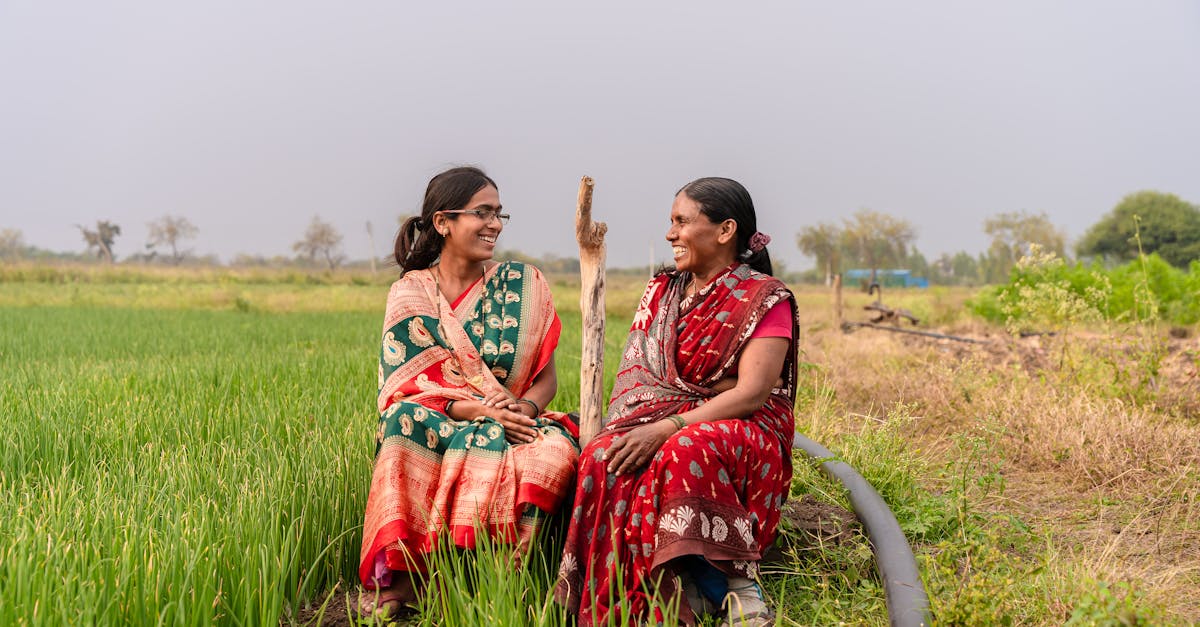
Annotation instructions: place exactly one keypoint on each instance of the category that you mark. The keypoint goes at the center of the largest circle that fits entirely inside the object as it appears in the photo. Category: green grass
(199, 453)
(186, 466)
(178, 467)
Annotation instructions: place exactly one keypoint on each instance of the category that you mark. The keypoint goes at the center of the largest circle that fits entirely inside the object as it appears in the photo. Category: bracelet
(537, 411)
(449, 404)
(678, 420)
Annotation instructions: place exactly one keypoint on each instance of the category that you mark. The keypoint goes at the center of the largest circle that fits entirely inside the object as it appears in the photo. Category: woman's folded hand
(501, 398)
(633, 450)
(518, 428)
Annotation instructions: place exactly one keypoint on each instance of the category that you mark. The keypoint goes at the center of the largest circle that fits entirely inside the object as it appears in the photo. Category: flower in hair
(759, 241)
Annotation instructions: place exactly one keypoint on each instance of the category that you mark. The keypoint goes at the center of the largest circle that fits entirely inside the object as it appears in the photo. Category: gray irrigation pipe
(907, 603)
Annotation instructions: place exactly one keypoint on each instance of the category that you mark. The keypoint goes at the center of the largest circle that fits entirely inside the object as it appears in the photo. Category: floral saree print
(714, 489)
(436, 477)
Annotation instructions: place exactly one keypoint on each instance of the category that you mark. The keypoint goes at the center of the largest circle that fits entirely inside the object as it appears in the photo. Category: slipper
(763, 618)
(745, 604)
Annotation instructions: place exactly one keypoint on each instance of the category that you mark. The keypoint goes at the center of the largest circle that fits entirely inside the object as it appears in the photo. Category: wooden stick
(591, 303)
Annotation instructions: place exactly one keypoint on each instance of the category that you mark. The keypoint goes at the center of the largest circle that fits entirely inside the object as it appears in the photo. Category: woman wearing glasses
(466, 370)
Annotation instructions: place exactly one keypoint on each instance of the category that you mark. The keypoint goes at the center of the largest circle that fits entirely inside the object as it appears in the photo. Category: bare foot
(388, 602)
(519, 552)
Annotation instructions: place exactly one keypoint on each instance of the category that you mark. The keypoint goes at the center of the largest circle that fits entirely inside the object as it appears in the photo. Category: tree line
(1142, 222)
(167, 243)
(1148, 222)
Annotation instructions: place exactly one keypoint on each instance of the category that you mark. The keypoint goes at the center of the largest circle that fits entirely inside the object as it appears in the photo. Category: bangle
(678, 420)
(449, 404)
(537, 411)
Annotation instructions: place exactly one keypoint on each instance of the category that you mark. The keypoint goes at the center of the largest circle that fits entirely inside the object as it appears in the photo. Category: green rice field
(186, 466)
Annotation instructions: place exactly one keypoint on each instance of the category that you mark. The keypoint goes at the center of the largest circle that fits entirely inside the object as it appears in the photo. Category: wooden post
(591, 303)
(837, 301)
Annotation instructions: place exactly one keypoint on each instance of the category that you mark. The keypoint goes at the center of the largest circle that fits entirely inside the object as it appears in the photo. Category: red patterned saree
(714, 489)
(435, 476)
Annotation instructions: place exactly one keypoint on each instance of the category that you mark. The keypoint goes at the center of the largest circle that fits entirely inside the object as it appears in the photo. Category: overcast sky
(250, 118)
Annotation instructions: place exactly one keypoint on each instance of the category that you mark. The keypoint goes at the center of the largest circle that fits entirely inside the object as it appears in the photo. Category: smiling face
(468, 236)
(699, 245)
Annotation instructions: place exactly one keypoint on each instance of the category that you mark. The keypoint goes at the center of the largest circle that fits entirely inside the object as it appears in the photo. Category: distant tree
(780, 270)
(1166, 224)
(1014, 234)
(917, 263)
(101, 239)
(371, 241)
(877, 239)
(965, 268)
(12, 244)
(321, 240)
(245, 260)
(960, 268)
(822, 242)
(170, 231)
(983, 268)
(548, 263)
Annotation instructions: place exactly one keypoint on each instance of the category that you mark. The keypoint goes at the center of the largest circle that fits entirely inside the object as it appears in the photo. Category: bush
(1045, 290)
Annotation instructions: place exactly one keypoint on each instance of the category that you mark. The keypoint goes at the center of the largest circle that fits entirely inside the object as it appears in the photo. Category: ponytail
(760, 261)
(418, 244)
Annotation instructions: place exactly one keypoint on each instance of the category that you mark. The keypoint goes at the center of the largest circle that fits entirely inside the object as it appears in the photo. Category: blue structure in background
(887, 278)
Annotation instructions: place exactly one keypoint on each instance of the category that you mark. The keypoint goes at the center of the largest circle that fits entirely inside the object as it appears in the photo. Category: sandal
(746, 605)
(763, 618)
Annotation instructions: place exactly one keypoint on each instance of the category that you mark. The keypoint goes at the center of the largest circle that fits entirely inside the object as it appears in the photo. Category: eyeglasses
(483, 214)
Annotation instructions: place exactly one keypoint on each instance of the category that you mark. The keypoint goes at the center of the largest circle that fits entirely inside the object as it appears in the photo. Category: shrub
(1045, 290)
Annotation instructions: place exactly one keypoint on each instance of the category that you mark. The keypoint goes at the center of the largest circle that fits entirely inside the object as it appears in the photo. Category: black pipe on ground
(847, 327)
(907, 603)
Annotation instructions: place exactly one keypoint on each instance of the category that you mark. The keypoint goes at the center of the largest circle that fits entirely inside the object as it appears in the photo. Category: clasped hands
(518, 418)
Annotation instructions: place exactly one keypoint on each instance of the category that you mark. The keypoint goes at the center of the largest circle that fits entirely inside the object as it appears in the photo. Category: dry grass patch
(1096, 456)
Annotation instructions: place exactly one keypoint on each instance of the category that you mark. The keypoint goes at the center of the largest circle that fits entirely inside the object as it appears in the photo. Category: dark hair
(722, 199)
(418, 244)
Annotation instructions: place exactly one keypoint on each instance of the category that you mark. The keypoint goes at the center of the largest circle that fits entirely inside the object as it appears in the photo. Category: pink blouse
(777, 322)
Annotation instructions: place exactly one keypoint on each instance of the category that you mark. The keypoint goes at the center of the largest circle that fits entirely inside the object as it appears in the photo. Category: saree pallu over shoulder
(679, 347)
(473, 348)
(437, 476)
(714, 489)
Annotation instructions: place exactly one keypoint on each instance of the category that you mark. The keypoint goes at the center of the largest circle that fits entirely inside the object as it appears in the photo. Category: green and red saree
(714, 489)
(438, 477)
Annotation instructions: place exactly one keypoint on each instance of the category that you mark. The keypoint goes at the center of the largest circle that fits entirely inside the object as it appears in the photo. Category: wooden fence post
(591, 303)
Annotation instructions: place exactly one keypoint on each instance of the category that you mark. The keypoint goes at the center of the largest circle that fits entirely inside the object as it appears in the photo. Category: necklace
(438, 298)
(476, 380)
(690, 289)
(436, 271)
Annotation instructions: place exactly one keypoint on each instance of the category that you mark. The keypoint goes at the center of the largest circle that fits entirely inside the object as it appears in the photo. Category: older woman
(685, 483)
(466, 370)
